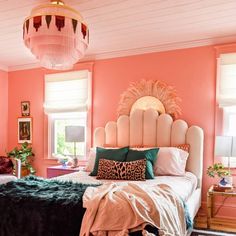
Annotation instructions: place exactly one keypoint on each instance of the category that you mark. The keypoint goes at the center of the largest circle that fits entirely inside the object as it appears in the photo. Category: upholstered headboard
(148, 129)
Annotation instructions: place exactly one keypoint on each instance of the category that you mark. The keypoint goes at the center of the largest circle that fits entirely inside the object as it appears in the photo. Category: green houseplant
(25, 154)
(219, 170)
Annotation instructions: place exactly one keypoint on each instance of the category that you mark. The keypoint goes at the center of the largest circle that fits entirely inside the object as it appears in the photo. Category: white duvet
(182, 185)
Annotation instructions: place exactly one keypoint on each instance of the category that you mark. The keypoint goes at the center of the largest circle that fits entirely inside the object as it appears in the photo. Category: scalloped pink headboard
(148, 129)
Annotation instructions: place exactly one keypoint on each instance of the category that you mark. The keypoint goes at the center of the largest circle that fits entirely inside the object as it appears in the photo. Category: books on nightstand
(226, 188)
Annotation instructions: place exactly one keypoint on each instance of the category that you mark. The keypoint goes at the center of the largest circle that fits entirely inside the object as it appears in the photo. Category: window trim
(47, 132)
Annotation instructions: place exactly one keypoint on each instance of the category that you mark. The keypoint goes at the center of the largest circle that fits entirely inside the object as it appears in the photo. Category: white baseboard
(213, 233)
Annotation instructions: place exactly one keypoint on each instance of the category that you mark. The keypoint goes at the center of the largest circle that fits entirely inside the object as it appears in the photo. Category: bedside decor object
(219, 170)
(56, 34)
(74, 134)
(25, 108)
(62, 160)
(25, 154)
(147, 94)
(25, 130)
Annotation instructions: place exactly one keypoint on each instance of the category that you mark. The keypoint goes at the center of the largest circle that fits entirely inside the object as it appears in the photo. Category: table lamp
(74, 134)
(224, 147)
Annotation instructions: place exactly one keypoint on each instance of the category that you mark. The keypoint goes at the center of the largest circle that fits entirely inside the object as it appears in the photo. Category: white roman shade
(227, 80)
(66, 92)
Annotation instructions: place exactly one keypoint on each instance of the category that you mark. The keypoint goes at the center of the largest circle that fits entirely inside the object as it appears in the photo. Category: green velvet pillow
(150, 155)
(109, 154)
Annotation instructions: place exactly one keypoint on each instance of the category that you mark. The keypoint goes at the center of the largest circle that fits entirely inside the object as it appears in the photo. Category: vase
(75, 162)
(223, 182)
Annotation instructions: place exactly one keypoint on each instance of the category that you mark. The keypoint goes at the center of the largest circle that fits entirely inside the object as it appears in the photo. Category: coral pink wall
(191, 71)
(3, 111)
(28, 85)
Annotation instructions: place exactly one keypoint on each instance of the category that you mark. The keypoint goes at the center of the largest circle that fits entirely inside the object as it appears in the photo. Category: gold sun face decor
(147, 94)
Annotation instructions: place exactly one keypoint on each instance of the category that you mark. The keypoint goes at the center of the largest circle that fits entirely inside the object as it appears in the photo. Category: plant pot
(223, 182)
(24, 171)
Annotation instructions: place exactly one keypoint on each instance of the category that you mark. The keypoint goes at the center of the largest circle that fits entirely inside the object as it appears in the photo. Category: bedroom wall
(191, 71)
(3, 111)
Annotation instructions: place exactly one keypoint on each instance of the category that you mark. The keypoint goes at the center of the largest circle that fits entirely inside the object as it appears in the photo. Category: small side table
(219, 223)
(54, 171)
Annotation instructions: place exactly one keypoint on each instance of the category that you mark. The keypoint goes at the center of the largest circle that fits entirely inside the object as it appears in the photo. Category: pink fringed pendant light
(56, 35)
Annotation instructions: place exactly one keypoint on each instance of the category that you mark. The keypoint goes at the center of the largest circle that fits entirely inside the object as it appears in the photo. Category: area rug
(210, 233)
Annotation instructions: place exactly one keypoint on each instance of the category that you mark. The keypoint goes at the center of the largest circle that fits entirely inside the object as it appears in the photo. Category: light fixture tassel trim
(58, 39)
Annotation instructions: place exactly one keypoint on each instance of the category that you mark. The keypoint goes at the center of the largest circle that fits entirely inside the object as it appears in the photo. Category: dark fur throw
(39, 207)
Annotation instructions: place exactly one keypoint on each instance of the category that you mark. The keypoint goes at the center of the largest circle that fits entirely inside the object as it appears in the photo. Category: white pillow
(91, 160)
(170, 161)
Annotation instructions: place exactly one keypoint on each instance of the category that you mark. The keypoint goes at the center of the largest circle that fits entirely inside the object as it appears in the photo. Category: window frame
(48, 122)
(51, 129)
(225, 105)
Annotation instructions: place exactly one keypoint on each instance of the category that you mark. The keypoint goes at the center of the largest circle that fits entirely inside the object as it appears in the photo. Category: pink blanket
(115, 210)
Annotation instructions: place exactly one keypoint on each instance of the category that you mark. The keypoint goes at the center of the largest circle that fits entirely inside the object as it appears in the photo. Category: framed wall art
(25, 130)
(25, 108)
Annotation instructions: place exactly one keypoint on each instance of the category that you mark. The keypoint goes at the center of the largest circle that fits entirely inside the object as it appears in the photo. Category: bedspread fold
(113, 210)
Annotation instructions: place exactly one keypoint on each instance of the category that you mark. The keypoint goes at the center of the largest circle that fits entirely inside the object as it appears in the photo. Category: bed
(143, 128)
(149, 129)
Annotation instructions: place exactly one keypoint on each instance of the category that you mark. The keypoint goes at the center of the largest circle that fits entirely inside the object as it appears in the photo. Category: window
(226, 99)
(67, 102)
(226, 92)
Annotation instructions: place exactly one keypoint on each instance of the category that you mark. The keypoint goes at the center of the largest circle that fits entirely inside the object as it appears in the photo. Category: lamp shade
(74, 133)
(234, 147)
(223, 146)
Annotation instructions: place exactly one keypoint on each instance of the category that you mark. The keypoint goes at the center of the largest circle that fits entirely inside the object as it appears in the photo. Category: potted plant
(25, 154)
(219, 170)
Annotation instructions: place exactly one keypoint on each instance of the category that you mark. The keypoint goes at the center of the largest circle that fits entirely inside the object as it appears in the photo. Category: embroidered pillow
(185, 147)
(6, 165)
(150, 155)
(170, 161)
(116, 170)
(118, 154)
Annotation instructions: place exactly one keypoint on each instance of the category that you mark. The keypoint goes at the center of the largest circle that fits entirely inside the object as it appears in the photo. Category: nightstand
(219, 223)
(54, 171)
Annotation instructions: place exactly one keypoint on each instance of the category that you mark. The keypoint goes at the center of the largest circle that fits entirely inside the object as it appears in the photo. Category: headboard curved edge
(147, 128)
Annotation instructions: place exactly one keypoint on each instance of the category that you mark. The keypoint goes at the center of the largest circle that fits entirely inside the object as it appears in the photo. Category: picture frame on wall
(25, 130)
(25, 108)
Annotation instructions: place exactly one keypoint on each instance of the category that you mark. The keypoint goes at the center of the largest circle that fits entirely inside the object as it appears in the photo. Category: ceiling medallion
(56, 35)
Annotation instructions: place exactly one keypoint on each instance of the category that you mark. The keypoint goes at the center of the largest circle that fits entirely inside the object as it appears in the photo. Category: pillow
(185, 147)
(110, 154)
(170, 161)
(116, 170)
(6, 165)
(91, 160)
(150, 155)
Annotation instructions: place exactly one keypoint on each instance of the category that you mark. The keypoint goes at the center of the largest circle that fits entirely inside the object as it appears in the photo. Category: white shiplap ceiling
(126, 27)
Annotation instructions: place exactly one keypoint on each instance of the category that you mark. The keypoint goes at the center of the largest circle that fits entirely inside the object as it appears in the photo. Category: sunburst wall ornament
(150, 94)
(56, 35)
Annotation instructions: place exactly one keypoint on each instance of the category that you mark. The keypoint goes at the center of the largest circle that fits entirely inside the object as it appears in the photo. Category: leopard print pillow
(133, 170)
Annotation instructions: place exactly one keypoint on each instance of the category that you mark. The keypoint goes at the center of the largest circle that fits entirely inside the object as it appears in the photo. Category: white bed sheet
(182, 185)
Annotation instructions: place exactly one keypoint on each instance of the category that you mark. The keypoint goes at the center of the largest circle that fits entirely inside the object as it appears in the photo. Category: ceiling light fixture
(56, 35)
